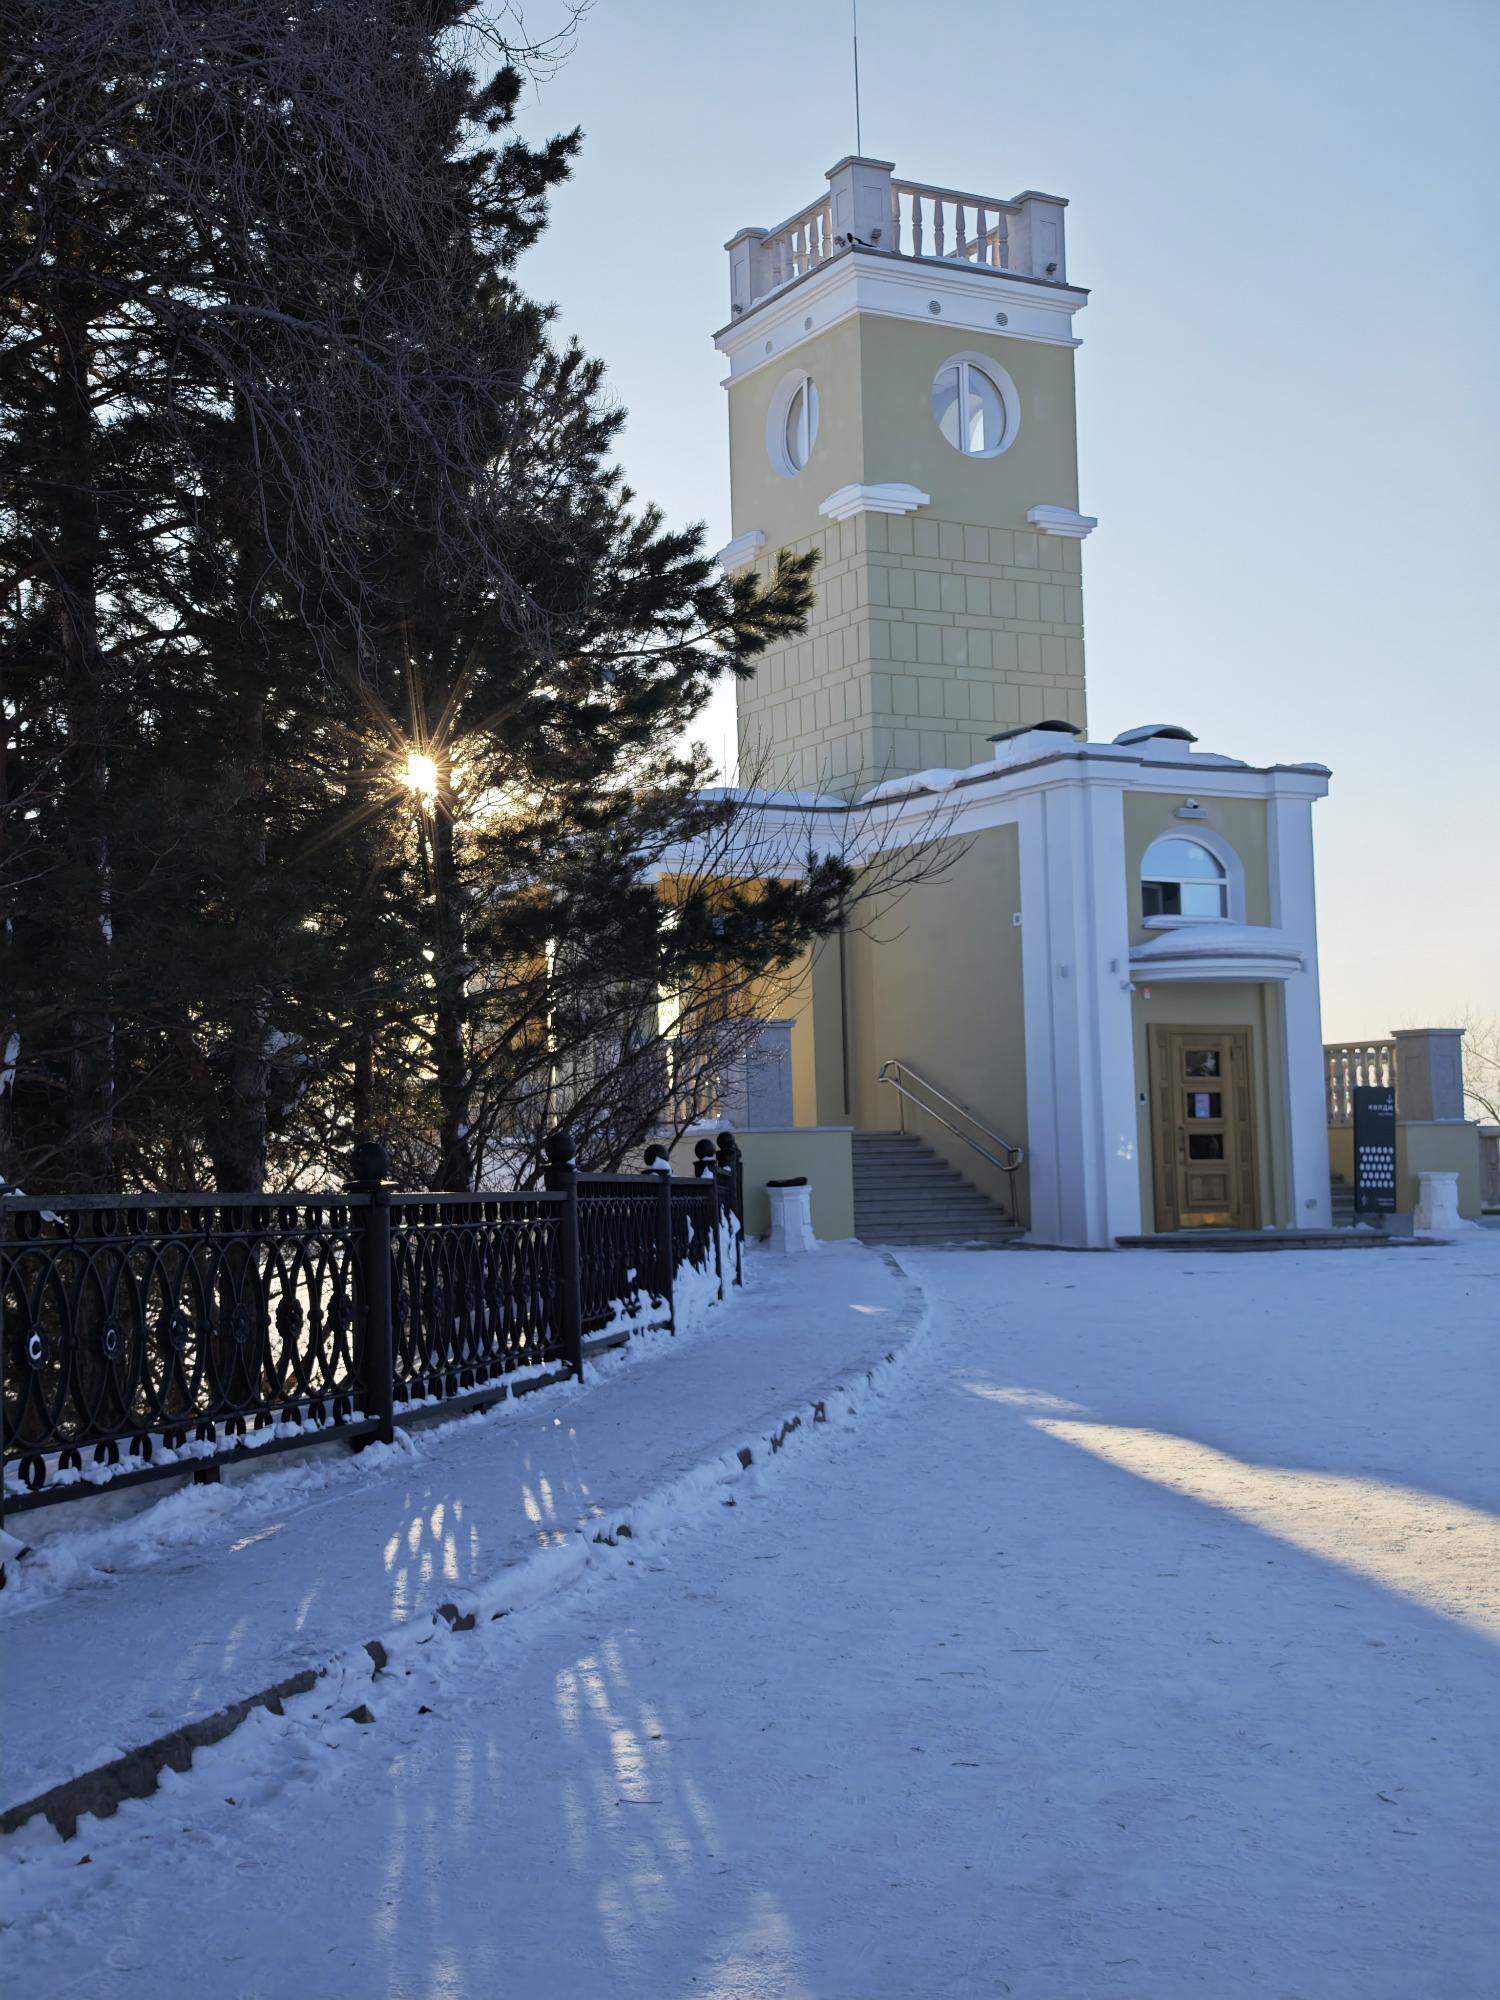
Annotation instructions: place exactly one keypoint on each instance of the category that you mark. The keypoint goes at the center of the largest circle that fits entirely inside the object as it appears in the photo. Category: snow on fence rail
(149, 1334)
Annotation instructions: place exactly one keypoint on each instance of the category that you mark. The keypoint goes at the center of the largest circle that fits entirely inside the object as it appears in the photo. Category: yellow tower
(901, 400)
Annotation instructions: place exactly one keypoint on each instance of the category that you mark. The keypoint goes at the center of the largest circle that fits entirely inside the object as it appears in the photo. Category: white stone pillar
(1437, 1205)
(1430, 1075)
(1080, 1055)
(1303, 1086)
(791, 1220)
(748, 277)
(859, 193)
(1037, 239)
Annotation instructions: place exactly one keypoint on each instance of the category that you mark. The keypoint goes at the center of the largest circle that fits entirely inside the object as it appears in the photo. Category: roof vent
(1053, 724)
(1173, 730)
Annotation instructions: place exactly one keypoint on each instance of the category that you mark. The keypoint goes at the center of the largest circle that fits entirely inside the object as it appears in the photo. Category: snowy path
(1148, 1650)
(218, 1592)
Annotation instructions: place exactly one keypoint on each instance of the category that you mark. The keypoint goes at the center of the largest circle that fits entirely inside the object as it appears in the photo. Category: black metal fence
(149, 1335)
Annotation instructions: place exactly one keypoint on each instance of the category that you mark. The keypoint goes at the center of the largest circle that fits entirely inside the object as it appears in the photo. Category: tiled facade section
(926, 638)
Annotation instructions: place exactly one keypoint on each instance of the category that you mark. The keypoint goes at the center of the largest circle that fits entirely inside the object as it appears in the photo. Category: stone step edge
(136, 1774)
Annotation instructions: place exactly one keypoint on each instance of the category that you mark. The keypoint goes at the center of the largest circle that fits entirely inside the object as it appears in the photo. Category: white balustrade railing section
(940, 222)
(867, 209)
(1352, 1065)
(800, 245)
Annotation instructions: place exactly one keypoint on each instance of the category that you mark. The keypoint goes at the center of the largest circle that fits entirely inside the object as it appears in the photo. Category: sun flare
(421, 775)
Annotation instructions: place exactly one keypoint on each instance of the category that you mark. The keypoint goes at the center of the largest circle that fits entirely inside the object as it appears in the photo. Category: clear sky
(1289, 424)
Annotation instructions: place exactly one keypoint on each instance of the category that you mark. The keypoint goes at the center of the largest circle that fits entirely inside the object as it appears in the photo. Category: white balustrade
(1356, 1065)
(1023, 237)
(941, 222)
(799, 246)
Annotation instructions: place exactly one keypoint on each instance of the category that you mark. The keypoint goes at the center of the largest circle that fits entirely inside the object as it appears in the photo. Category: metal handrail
(1008, 1159)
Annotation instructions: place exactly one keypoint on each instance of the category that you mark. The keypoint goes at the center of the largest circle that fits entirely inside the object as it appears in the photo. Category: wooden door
(1203, 1128)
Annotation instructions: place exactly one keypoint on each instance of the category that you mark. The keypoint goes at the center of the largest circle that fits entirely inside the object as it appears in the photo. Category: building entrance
(1203, 1128)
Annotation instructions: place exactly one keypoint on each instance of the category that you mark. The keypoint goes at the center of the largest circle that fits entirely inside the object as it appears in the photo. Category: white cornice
(886, 498)
(1062, 521)
(743, 549)
(970, 298)
(943, 804)
(1219, 953)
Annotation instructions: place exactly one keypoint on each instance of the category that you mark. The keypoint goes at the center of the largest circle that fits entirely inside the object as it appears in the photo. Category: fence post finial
(732, 1182)
(370, 1164)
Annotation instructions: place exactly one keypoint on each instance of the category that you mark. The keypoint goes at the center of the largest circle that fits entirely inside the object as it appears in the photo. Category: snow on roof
(1149, 729)
(753, 795)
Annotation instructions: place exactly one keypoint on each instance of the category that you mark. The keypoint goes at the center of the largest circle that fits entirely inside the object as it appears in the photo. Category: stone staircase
(1342, 1192)
(905, 1193)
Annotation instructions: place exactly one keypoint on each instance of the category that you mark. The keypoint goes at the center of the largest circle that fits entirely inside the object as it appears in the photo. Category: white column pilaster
(1294, 909)
(1080, 1061)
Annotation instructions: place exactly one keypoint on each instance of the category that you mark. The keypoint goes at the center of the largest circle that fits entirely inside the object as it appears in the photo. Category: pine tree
(230, 255)
(301, 490)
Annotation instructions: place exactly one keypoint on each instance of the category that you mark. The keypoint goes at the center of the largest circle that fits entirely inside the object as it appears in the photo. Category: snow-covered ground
(1139, 1640)
(230, 1590)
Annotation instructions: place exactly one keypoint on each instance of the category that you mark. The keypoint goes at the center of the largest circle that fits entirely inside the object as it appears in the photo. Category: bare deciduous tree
(1481, 1059)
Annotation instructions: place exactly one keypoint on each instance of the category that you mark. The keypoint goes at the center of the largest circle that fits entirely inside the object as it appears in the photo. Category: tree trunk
(10, 1026)
(455, 1085)
(239, 1148)
(239, 1135)
(90, 1084)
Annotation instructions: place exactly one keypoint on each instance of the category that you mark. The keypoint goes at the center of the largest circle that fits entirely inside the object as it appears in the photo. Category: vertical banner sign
(1374, 1150)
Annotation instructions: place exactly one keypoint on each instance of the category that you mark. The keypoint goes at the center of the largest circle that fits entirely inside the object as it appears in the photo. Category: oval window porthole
(792, 423)
(975, 405)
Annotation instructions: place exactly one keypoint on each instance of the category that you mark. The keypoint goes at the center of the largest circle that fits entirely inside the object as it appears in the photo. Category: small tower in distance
(901, 400)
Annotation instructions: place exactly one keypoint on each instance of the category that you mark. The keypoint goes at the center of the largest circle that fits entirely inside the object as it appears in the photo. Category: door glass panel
(1203, 1104)
(1201, 1062)
(1205, 1145)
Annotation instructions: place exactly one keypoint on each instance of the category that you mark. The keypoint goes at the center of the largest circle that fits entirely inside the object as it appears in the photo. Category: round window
(975, 405)
(792, 426)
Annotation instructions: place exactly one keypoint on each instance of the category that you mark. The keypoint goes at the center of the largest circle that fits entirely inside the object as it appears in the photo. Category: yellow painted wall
(874, 376)
(832, 1105)
(791, 996)
(1241, 822)
(899, 359)
(1437, 1148)
(931, 630)
(785, 509)
(1209, 1005)
(822, 1153)
(1427, 1147)
(939, 985)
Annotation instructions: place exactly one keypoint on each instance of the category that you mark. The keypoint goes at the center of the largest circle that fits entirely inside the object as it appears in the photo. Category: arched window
(1180, 878)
